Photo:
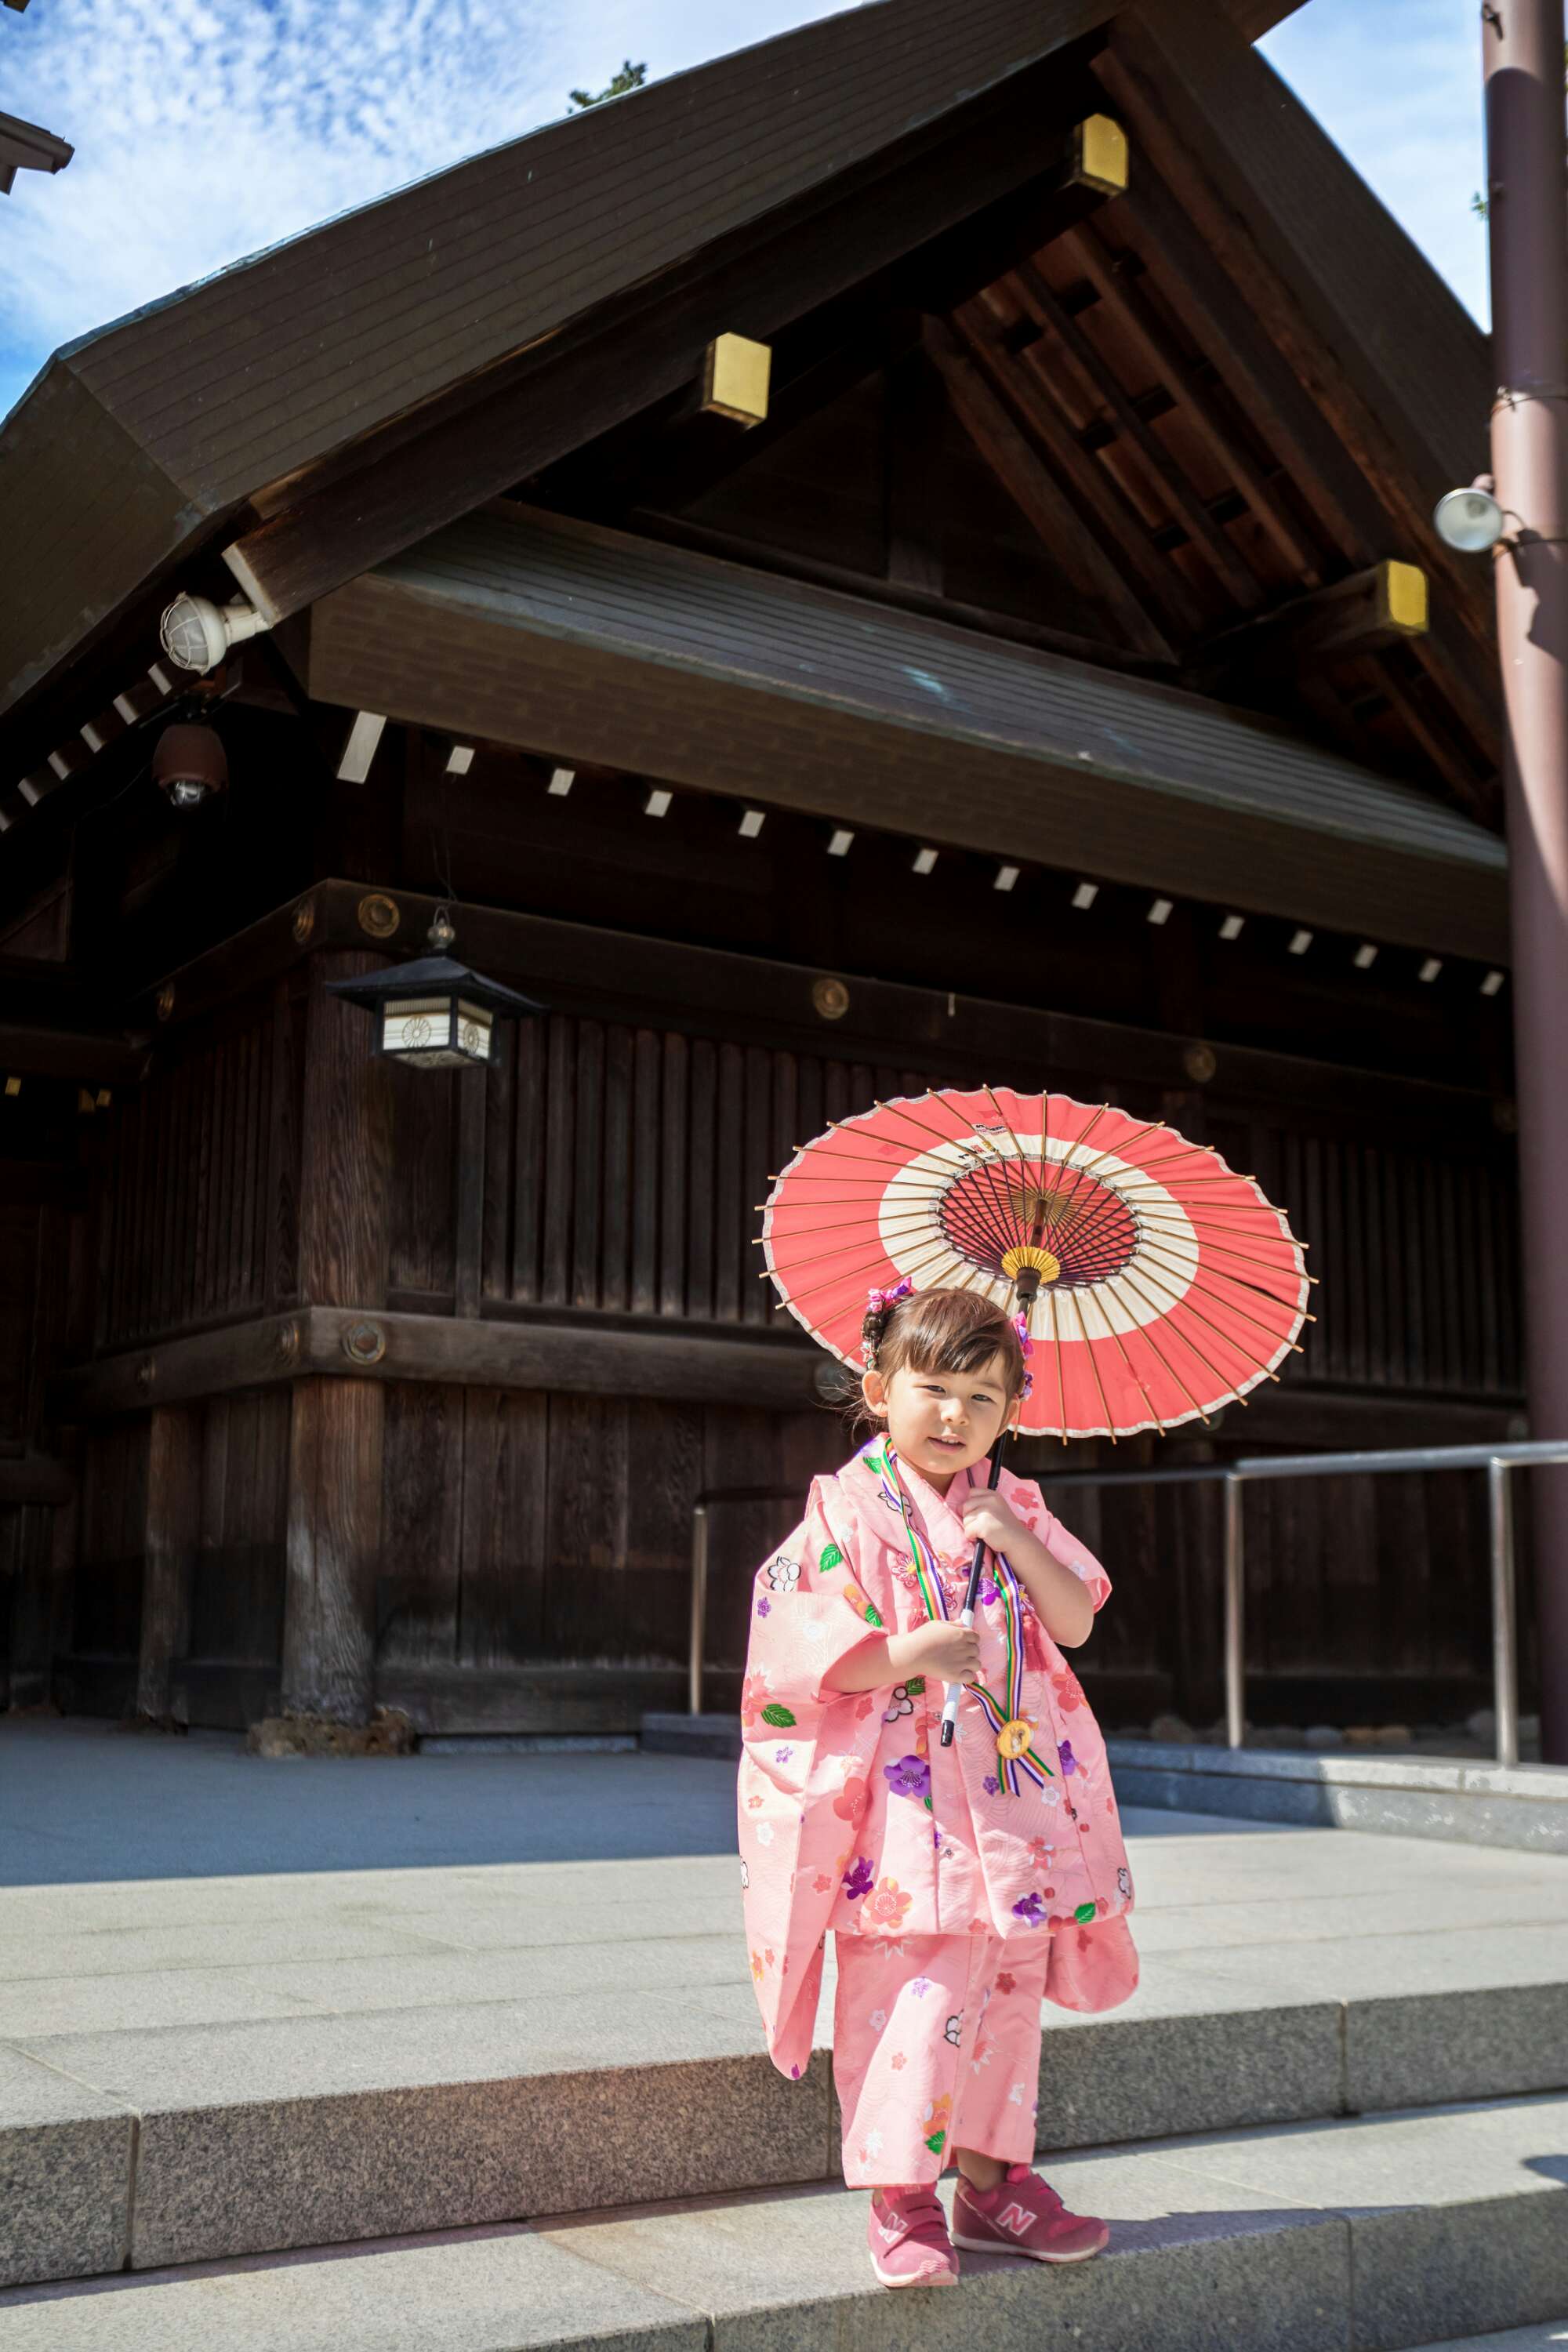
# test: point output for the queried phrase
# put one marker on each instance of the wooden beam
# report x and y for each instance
(901, 593)
(450, 456)
(1223, 556)
(1037, 495)
(586, 969)
(578, 1353)
(1458, 650)
(1121, 293)
(1382, 605)
(28, 1049)
(1108, 512)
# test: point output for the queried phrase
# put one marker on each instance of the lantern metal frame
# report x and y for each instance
(435, 1013)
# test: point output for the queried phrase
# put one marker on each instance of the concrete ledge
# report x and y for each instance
(692, 1735)
(1446, 2219)
(66, 2156)
(1524, 1806)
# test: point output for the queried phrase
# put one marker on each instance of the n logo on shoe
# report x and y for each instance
(1014, 2218)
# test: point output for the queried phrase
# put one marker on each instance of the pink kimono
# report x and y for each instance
(963, 1884)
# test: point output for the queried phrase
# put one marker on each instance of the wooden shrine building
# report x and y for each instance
(1033, 664)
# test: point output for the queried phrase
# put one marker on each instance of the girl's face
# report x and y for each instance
(940, 1422)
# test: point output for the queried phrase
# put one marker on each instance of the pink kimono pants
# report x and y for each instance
(936, 2046)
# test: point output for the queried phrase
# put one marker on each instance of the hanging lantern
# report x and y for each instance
(435, 1013)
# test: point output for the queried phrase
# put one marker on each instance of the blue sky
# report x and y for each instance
(205, 129)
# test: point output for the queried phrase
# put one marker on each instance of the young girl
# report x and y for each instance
(961, 1884)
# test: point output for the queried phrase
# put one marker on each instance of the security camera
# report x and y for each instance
(196, 634)
(190, 764)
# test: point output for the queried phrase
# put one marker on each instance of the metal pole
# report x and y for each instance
(1505, 1631)
(698, 1606)
(1527, 189)
(1235, 1628)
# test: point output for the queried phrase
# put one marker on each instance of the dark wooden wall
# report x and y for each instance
(532, 1569)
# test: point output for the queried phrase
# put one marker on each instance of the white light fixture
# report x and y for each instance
(1364, 957)
(924, 860)
(1300, 942)
(1492, 983)
(1231, 927)
(658, 802)
(459, 759)
(1159, 912)
(360, 749)
(195, 632)
(1006, 877)
(561, 782)
(1430, 969)
(1470, 520)
(839, 844)
(1084, 897)
(750, 824)
(91, 736)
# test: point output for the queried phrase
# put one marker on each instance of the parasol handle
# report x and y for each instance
(966, 1616)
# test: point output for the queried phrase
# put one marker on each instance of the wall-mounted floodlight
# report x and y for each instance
(1470, 520)
(195, 632)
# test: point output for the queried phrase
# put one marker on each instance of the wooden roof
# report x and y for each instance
(570, 639)
(221, 408)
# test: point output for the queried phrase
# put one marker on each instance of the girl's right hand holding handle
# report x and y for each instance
(942, 1650)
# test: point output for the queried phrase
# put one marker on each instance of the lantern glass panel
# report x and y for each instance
(436, 1033)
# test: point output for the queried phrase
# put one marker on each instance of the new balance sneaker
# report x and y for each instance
(1023, 2215)
(907, 2234)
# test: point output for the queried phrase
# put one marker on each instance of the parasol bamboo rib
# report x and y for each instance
(1131, 1373)
(1178, 1331)
(1151, 1252)
(1230, 1306)
(1061, 1376)
(1093, 1364)
(1149, 1342)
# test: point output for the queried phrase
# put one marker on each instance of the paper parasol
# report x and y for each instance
(1165, 1285)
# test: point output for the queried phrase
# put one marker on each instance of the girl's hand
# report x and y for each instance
(949, 1652)
(987, 1519)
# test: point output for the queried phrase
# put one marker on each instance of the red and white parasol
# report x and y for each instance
(1164, 1284)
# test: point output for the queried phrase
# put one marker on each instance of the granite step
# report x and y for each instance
(1404, 2230)
(180, 2144)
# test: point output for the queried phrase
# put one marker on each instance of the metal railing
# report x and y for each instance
(1499, 1461)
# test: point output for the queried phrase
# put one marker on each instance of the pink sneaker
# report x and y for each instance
(1023, 2215)
(906, 2233)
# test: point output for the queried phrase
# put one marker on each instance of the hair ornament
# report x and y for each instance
(880, 1305)
(1021, 1325)
(878, 1301)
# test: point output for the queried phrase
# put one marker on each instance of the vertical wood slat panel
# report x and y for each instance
(531, 1048)
(559, 1136)
(587, 1177)
(646, 1080)
(672, 1178)
(732, 1219)
(755, 1294)
(614, 1292)
(701, 1084)
(501, 1144)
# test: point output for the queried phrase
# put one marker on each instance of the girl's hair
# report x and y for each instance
(942, 1332)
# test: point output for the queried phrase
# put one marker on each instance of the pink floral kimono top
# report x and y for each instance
(853, 1816)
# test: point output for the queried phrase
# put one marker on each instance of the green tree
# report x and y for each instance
(629, 77)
